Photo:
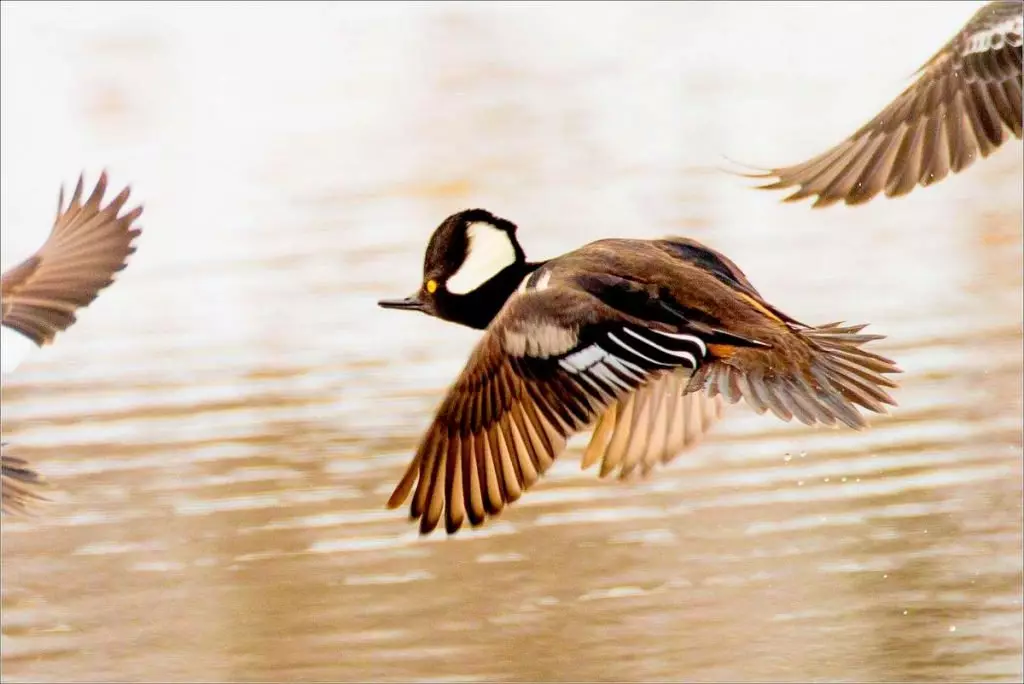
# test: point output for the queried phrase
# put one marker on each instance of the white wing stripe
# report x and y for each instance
(619, 342)
(601, 371)
(628, 364)
(687, 338)
(620, 364)
(585, 358)
(680, 354)
(601, 391)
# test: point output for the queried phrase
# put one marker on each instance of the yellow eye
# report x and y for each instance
(431, 286)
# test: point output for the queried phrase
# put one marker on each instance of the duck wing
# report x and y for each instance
(88, 244)
(548, 366)
(965, 103)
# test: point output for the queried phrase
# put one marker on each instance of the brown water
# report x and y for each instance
(223, 426)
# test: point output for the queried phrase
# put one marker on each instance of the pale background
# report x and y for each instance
(224, 424)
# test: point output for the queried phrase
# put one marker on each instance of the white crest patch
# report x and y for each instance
(490, 250)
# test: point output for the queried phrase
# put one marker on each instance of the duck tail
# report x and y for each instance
(815, 374)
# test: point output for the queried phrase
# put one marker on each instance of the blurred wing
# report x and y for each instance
(87, 246)
(652, 425)
(19, 485)
(964, 98)
(547, 367)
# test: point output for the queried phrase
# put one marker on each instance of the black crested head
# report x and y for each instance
(473, 264)
(449, 249)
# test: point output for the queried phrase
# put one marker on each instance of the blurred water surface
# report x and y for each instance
(224, 425)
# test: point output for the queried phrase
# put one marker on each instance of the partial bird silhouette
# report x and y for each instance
(88, 244)
(965, 103)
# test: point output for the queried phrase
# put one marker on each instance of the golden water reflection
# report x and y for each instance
(224, 425)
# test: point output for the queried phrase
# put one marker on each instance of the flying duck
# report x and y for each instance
(88, 244)
(639, 339)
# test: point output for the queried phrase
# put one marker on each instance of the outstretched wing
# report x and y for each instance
(88, 244)
(652, 425)
(963, 102)
(547, 367)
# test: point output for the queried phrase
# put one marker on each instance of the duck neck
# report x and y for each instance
(480, 306)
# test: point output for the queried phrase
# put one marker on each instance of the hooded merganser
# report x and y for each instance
(958, 107)
(624, 332)
(88, 244)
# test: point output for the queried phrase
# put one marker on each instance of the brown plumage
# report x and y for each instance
(965, 103)
(88, 244)
(634, 338)
(651, 426)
